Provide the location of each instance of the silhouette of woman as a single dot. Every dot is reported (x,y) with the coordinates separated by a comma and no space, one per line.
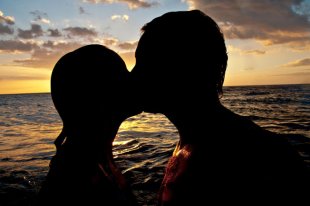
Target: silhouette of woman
(89,87)
(221,157)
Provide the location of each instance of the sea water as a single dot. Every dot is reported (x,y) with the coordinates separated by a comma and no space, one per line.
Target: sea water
(29,124)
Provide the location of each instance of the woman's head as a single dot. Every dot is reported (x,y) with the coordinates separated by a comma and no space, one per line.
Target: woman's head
(90,85)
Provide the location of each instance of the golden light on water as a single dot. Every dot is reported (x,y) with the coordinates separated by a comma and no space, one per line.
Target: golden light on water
(117,143)
(146,122)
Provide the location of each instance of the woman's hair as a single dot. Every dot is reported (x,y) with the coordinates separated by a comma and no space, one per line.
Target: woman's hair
(85,81)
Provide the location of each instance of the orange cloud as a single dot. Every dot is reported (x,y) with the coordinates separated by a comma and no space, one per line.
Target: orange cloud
(298,63)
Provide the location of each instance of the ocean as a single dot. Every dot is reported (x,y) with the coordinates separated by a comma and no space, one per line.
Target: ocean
(29,124)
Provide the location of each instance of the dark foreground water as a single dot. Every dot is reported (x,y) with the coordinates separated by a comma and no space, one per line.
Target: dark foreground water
(29,125)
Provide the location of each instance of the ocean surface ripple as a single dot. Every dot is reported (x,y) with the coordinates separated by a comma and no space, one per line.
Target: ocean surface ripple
(29,124)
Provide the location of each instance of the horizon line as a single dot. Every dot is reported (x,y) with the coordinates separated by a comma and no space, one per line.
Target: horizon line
(250,85)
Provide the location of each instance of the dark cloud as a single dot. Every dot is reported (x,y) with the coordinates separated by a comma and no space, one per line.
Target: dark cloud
(128,45)
(54,32)
(35,31)
(49,44)
(255,52)
(82,10)
(40,16)
(9,20)
(270,21)
(80,31)
(5,29)
(132,4)
(299,63)
(6,19)
(16,46)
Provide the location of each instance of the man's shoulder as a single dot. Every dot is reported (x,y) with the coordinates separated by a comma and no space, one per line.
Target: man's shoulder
(240,123)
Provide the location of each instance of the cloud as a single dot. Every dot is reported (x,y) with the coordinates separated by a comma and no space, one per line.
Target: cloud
(47,55)
(23,77)
(82,10)
(80,31)
(40,17)
(248,69)
(54,32)
(121,17)
(16,46)
(132,4)
(45,21)
(298,63)
(255,52)
(232,49)
(6,19)
(64,46)
(35,31)
(302,74)
(110,41)
(5,29)
(128,45)
(116,43)
(269,21)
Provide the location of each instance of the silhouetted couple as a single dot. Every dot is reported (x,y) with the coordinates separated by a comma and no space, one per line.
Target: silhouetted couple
(181,61)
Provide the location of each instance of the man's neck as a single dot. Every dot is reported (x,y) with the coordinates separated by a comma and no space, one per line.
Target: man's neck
(191,123)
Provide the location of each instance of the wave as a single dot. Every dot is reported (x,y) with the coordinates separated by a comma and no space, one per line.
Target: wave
(254,93)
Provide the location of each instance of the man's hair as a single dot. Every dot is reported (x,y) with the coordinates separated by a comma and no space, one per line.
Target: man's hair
(186,40)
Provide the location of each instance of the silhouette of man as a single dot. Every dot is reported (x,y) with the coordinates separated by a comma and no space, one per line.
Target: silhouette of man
(221,157)
(89,87)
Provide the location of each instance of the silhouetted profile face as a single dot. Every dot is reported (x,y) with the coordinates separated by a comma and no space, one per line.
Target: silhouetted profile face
(90,88)
(180,61)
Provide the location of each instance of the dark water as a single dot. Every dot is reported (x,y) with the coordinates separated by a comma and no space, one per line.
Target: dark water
(29,125)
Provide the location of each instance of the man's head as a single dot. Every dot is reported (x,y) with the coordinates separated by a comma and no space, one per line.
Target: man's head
(181,56)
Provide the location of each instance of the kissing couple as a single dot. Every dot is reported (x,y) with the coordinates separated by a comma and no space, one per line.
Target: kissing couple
(221,157)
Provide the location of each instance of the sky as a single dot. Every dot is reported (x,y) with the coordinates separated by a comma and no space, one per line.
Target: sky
(268,41)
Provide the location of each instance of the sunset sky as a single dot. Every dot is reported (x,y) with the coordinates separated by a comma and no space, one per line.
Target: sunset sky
(268,40)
